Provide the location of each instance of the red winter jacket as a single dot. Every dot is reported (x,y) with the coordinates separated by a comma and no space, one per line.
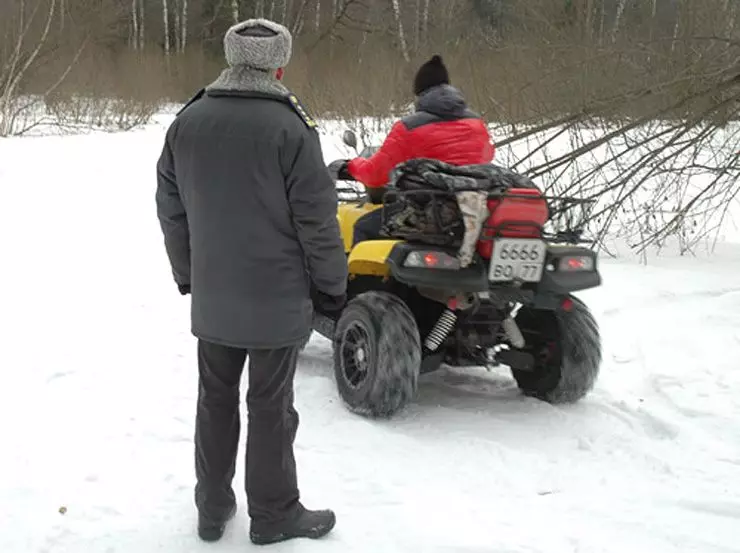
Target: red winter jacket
(442,128)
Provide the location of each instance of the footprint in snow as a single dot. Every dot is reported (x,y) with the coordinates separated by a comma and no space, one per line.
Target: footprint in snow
(58,375)
(718,508)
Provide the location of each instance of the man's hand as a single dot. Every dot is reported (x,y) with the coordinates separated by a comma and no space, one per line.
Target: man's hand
(184,289)
(324,303)
(339,170)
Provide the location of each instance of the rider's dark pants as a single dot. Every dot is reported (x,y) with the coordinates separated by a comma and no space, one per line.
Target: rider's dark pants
(368,226)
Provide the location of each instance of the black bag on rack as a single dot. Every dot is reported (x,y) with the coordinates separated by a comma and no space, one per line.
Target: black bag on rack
(420,213)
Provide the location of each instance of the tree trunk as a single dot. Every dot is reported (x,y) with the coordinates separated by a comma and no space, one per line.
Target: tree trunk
(177,8)
(184,23)
(142,23)
(730,15)
(300,18)
(135,24)
(334,12)
(425,31)
(166,22)
(589,19)
(417,26)
(618,18)
(676,29)
(401,34)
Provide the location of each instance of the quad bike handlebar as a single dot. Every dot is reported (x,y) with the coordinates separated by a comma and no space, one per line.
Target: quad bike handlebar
(373,195)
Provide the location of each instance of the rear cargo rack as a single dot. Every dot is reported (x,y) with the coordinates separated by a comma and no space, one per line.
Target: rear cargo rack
(566,224)
(568,216)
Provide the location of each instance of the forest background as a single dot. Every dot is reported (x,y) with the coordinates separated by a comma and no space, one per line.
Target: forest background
(631,103)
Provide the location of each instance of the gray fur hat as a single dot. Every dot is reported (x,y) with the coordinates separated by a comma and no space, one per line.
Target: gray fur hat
(258,43)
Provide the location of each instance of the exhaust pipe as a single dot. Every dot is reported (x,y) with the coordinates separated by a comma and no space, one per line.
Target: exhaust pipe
(512,329)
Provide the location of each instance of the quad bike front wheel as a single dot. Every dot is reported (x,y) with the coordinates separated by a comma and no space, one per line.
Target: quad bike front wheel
(377,355)
(567,349)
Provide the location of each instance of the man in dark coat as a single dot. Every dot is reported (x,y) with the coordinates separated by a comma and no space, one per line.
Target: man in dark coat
(249,216)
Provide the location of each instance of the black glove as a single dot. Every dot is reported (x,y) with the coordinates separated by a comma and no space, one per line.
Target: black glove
(324,303)
(339,170)
(184,289)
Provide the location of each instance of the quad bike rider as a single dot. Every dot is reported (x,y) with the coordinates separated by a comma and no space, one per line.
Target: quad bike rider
(441,128)
(466,271)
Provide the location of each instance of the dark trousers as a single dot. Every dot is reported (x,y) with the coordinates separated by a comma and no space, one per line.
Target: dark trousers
(271,482)
(368,226)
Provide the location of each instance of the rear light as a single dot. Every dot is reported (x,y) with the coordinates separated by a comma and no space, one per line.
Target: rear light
(431,260)
(573,263)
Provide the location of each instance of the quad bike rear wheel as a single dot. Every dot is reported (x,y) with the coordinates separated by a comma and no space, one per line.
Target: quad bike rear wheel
(567,349)
(377,355)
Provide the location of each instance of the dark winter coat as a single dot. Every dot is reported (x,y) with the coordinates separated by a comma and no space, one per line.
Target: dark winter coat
(249,215)
(442,128)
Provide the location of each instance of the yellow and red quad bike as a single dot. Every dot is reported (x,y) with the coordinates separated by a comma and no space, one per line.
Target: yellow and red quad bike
(411,308)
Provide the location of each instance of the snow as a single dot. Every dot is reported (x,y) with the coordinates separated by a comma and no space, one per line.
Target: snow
(99,392)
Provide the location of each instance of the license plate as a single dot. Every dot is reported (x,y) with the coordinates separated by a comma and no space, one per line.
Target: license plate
(517,259)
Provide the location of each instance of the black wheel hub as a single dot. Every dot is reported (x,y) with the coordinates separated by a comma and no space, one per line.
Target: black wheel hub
(355,354)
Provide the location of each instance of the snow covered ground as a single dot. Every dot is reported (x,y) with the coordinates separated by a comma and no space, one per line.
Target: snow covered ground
(99,387)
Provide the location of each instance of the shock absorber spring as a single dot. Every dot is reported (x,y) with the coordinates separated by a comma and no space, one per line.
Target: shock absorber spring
(441,330)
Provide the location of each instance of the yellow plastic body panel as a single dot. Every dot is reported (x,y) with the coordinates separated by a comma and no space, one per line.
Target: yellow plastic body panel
(347,215)
(369,258)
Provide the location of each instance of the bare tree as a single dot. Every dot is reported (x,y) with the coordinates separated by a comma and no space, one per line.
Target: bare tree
(401,35)
(134,40)
(178,24)
(142,25)
(22,59)
(284,15)
(184,26)
(141,16)
(166,22)
(425,26)
(618,18)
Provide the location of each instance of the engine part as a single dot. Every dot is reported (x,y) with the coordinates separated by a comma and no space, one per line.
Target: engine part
(441,330)
(513,333)
(519,360)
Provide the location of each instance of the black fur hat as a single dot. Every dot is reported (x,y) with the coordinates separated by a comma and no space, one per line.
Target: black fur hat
(430,74)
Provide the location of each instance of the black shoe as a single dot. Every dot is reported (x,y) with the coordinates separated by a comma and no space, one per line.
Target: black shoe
(308,524)
(211,530)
